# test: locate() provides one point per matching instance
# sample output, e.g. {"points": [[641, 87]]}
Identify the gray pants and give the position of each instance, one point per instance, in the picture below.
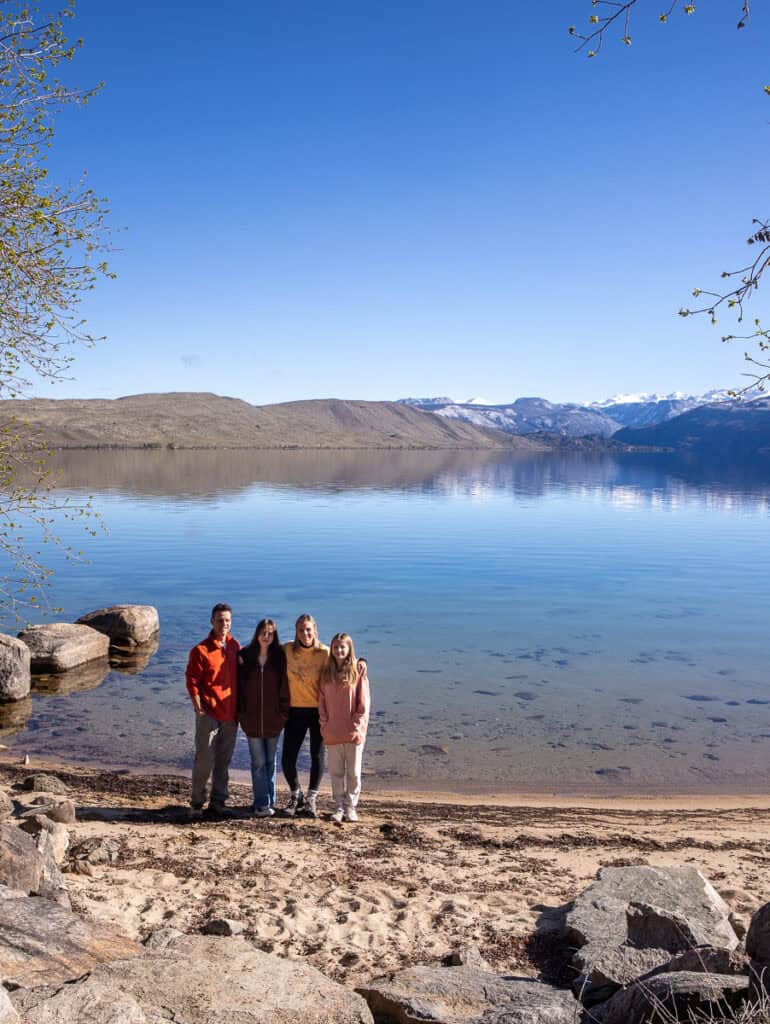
{"points": [[214, 745], [345, 771]]}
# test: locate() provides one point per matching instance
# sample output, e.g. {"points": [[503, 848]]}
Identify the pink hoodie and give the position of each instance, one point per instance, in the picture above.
{"points": [[344, 711]]}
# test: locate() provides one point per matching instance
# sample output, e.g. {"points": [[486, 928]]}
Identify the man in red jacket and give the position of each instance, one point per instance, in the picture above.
{"points": [[212, 680]]}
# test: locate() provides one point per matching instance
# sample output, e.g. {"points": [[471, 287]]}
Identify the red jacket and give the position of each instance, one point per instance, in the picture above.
{"points": [[212, 676], [263, 693]]}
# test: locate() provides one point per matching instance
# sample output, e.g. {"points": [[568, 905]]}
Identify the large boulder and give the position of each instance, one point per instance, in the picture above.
{"points": [[632, 919], [675, 996], [43, 782], [466, 995], [15, 678], [198, 979], [57, 833], [127, 625], [57, 808], [42, 943], [21, 863], [59, 646], [758, 937]]}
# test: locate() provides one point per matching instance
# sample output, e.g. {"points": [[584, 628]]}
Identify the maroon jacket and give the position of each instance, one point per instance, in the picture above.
{"points": [[263, 693]]}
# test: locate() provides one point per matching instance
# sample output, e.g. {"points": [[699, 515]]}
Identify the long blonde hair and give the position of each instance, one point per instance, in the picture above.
{"points": [[348, 672]]}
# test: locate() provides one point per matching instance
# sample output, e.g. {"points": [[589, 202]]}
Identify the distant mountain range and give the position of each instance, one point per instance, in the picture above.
{"points": [[536, 415]]}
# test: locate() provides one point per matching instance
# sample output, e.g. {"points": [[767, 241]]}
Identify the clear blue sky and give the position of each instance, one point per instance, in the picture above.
{"points": [[421, 197]]}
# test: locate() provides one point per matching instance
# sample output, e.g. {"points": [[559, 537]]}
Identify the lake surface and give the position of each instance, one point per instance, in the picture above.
{"points": [[559, 623]]}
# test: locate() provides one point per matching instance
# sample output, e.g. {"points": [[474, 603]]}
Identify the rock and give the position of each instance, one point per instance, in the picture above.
{"points": [[740, 924], [15, 678], [466, 956], [6, 805], [45, 944], [222, 926], [604, 969], [57, 833], [21, 863], [8, 1014], [127, 625], [659, 928], [679, 994], [95, 850], [57, 808], [465, 995], [60, 646], [199, 980], [90, 1002], [162, 937], [42, 782], [706, 960], [758, 936]]}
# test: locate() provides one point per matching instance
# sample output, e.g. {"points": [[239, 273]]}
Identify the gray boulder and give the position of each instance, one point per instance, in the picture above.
{"points": [[15, 678], [467, 956], [60, 646], [42, 782], [161, 938], [42, 943], [604, 969], [611, 911], [706, 960], [758, 936], [127, 625], [199, 980], [465, 995], [674, 996], [21, 863]]}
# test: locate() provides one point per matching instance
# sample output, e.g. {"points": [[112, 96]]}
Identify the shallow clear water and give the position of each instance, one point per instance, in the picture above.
{"points": [[560, 623]]}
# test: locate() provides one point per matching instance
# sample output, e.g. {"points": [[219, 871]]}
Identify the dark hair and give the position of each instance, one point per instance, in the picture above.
{"points": [[274, 650], [221, 608], [364, 661]]}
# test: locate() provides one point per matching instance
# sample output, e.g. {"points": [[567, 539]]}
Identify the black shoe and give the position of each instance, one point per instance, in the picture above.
{"points": [[217, 809]]}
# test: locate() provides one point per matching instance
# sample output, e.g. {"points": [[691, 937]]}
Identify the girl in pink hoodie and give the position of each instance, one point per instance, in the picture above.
{"points": [[343, 708]]}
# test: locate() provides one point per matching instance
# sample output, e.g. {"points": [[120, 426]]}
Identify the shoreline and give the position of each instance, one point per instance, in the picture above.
{"points": [[465, 797]]}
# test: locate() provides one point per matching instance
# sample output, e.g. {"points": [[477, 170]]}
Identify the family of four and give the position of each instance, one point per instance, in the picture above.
{"points": [[268, 688]]}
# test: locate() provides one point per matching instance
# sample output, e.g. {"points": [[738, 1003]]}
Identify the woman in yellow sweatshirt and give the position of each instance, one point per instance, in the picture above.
{"points": [[306, 659]]}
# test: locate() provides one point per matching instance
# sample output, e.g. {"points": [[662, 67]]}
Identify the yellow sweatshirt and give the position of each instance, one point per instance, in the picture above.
{"points": [[303, 667]]}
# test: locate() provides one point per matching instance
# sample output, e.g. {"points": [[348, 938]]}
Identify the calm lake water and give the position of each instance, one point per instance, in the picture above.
{"points": [[554, 623]]}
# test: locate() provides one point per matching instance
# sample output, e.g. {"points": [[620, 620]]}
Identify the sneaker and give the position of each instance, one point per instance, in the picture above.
{"points": [[338, 816], [310, 809], [296, 802], [263, 812], [351, 814], [196, 809], [217, 807]]}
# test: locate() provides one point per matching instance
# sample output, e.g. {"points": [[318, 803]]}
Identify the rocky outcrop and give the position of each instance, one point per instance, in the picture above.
{"points": [[466, 995], [57, 808], [127, 625], [60, 646], [680, 993], [15, 677], [42, 943], [632, 919], [57, 833], [198, 979], [42, 782]]}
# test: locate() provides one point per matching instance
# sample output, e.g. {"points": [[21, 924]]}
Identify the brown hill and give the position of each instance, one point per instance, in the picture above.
{"points": [[203, 420]]}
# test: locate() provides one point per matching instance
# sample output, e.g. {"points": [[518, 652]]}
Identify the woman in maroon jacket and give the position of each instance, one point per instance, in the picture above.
{"points": [[263, 707]]}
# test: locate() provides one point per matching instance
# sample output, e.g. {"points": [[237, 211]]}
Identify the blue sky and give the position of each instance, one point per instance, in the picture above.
{"points": [[428, 197]]}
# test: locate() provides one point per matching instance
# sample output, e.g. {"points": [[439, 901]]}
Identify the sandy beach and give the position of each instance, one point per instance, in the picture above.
{"points": [[419, 875]]}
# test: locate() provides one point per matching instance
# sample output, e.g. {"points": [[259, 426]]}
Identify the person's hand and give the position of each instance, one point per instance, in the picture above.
{"points": [[197, 707]]}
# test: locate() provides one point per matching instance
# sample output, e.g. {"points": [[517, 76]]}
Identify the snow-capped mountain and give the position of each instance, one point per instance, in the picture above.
{"points": [[536, 415]]}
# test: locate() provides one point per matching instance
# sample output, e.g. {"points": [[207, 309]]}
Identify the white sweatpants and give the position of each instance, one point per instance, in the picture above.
{"points": [[344, 762]]}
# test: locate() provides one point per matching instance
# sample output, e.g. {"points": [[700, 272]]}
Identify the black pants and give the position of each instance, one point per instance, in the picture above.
{"points": [[302, 720]]}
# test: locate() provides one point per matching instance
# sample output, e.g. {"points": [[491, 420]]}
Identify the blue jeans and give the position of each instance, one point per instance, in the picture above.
{"points": [[263, 770]]}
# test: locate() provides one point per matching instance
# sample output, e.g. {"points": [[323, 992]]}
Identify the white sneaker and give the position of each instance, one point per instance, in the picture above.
{"points": [[351, 814], [338, 816], [295, 802], [309, 808], [263, 812]]}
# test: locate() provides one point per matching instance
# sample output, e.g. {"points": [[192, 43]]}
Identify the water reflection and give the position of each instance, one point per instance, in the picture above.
{"points": [[74, 680], [632, 477], [14, 717], [130, 661]]}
